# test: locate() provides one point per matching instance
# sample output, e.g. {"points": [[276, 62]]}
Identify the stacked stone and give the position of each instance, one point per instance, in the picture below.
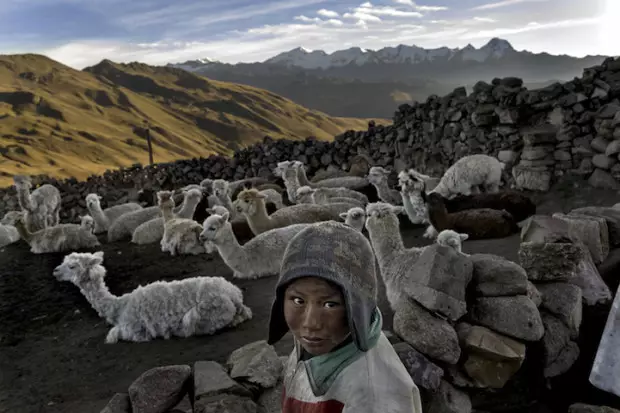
{"points": [[536, 166], [452, 346]]}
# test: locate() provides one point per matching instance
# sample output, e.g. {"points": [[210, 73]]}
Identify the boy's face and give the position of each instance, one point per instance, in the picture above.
{"points": [[316, 315]]}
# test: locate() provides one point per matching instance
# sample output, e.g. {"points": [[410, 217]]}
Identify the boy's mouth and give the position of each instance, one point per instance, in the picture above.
{"points": [[312, 340]]}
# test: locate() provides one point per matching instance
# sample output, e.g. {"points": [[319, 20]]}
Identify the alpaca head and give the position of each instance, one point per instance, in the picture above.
{"points": [[354, 218], [452, 239], [290, 173], [380, 214], [212, 226], [78, 267], [93, 201], [377, 175], [87, 222], [207, 184], [220, 188], [281, 167], [247, 201], [164, 199], [22, 182], [193, 196], [304, 193], [10, 218], [218, 209]]}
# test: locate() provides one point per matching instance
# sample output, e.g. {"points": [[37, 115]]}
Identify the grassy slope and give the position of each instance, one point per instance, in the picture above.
{"points": [[62, 122]]}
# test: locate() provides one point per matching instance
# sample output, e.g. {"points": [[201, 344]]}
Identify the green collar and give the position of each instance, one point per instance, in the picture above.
{"points": [[324, 369]]}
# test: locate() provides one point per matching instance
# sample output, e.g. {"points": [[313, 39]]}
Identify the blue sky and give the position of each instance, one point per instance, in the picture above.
{"points": [[83, 32]]}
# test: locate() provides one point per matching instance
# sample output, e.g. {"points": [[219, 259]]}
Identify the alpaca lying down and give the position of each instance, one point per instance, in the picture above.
{"points": [[182, 308]]}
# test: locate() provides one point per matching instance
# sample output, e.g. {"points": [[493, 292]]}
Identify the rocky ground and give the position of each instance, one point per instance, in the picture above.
{"points": [[53, 357]]}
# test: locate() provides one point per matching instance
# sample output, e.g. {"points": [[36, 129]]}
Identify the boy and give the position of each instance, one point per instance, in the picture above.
{"points": [[342, 362]]}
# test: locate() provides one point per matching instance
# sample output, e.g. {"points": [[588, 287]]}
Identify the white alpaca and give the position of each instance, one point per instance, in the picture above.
{"points": [[88, 223], [152, 231], [468, 173], [251, 203], [452, 239], [350, 182], [180, 235], [221, 189], [325, 196], [105, 218], [378, 176], [181, 308], [410, 192], [8, 233], [59, 238], [395, 261], [259, 257], [126, 224], [355, 218], [42, 206]]}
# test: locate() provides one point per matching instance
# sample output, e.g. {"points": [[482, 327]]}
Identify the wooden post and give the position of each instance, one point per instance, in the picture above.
{"points": [[147, 131]]}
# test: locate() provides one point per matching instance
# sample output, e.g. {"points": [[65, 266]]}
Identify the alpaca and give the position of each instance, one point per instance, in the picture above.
{"points": [[127, 223], [181, 308], [350, 182], [480, 223], [251, 203], [412, 199], [105, 218], [452, 239], [239, 185], [396, 262], [221, 191], [207, 184], [42, 206], [180, 235], [259, 257], [378, 176], [323, 196], [59, 238], [241, 229], [152, 230], [516, 203], [8, 232], [354, 218], [469, 172], [88, 223]]}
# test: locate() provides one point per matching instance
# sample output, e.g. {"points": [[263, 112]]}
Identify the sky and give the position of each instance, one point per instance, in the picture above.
{"points": [[81, 33]]}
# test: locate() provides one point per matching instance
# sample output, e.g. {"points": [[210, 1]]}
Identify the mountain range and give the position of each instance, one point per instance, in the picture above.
{"points": [[62, 122], [358, 82]]}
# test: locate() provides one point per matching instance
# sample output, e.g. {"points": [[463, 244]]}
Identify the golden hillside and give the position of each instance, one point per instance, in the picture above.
{"points": [[63, 122]]}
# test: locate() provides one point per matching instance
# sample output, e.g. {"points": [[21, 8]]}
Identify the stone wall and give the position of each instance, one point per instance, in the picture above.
{"points": [[571, 127]]}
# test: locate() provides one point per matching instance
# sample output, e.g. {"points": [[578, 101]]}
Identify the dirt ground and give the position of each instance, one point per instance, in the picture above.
{"points": [[53, 357]]}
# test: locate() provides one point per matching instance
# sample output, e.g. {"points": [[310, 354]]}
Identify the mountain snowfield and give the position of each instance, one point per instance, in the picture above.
{"points": [[318, 59]]}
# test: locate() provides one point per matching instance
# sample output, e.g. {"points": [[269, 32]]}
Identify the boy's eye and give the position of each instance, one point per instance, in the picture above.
{"points": [[298, 300], [331, 304]]}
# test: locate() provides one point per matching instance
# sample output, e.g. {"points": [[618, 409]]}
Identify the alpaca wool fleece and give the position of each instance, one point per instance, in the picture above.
{"points": [[337, 253]]}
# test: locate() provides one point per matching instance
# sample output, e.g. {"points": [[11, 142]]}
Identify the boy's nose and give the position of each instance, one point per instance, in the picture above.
{"points": [[312, 318]]}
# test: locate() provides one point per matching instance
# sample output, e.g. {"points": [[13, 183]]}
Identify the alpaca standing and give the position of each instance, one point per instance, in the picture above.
{"points": [[59, 238], [470, 172], [42, 206], [105, 218], [259, 257], [180, 235], [378, 176], [181, 308], [152, 230]]}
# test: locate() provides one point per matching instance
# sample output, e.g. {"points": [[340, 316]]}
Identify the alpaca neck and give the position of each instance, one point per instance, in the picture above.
{"points": [[407, 204], [166, 212], [23, 198], [97, 213], [260, 217], [187, 208], [23, 231], [386, 242], [108, 306], [229, 248], [383, 190], [227, 203], [292, 184], [302, 177]]}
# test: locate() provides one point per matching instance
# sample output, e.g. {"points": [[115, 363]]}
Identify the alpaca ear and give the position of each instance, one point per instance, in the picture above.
{"points": [[97, 258], [100, 197], [343, 215], [209, 211], [225, 216], [397, 209], [261, 196], [464, 236]]}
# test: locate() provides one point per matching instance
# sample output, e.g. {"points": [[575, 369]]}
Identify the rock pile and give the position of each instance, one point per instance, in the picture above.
{"points": [[570, 127]]}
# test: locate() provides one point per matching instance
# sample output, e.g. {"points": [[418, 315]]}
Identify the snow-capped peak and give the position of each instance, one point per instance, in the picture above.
{"points": [[194, 65], [315, 59]]}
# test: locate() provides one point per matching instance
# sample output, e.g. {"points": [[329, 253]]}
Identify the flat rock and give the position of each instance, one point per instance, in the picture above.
{"points": [[611, 216], [449, 399], [424, 372], [211, 378], [544, 228], [604, 374], [159, 389], [495, 276], [563, 300], [432, 336], [591, 230], [594, 290], [256, 363], [550, 261], [516, 316], [560, 352]]}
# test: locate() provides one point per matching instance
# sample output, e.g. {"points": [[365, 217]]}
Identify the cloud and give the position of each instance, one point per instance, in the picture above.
{"points": [[419, 7], [504, 3], [483, 19], [327, 13], [534, 26]]}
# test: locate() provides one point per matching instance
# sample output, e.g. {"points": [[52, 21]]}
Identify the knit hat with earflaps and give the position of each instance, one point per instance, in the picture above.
{"points": [[337, 253]]}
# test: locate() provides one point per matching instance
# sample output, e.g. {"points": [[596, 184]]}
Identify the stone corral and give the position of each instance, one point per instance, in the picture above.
{"points": [[566, 127]]}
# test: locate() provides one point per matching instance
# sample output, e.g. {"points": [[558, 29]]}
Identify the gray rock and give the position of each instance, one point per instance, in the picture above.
{"points": [[225, 403], [589, 408], [594, 290], [550, 261], [119, 403], [563, 300], [611, 216], [449, 399], [534, 179], [591, 230], [602, 179], [424, 372], [560, 352], [543, 229], [516, 316], [604, 374], [211, 378], [159, 389], [494, 276], [270, 400], [533, 294], [256, 363], [432, 336]]}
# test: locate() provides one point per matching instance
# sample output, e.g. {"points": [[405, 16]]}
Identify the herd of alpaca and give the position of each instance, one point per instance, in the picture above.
{"points": [[249, 223]]}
